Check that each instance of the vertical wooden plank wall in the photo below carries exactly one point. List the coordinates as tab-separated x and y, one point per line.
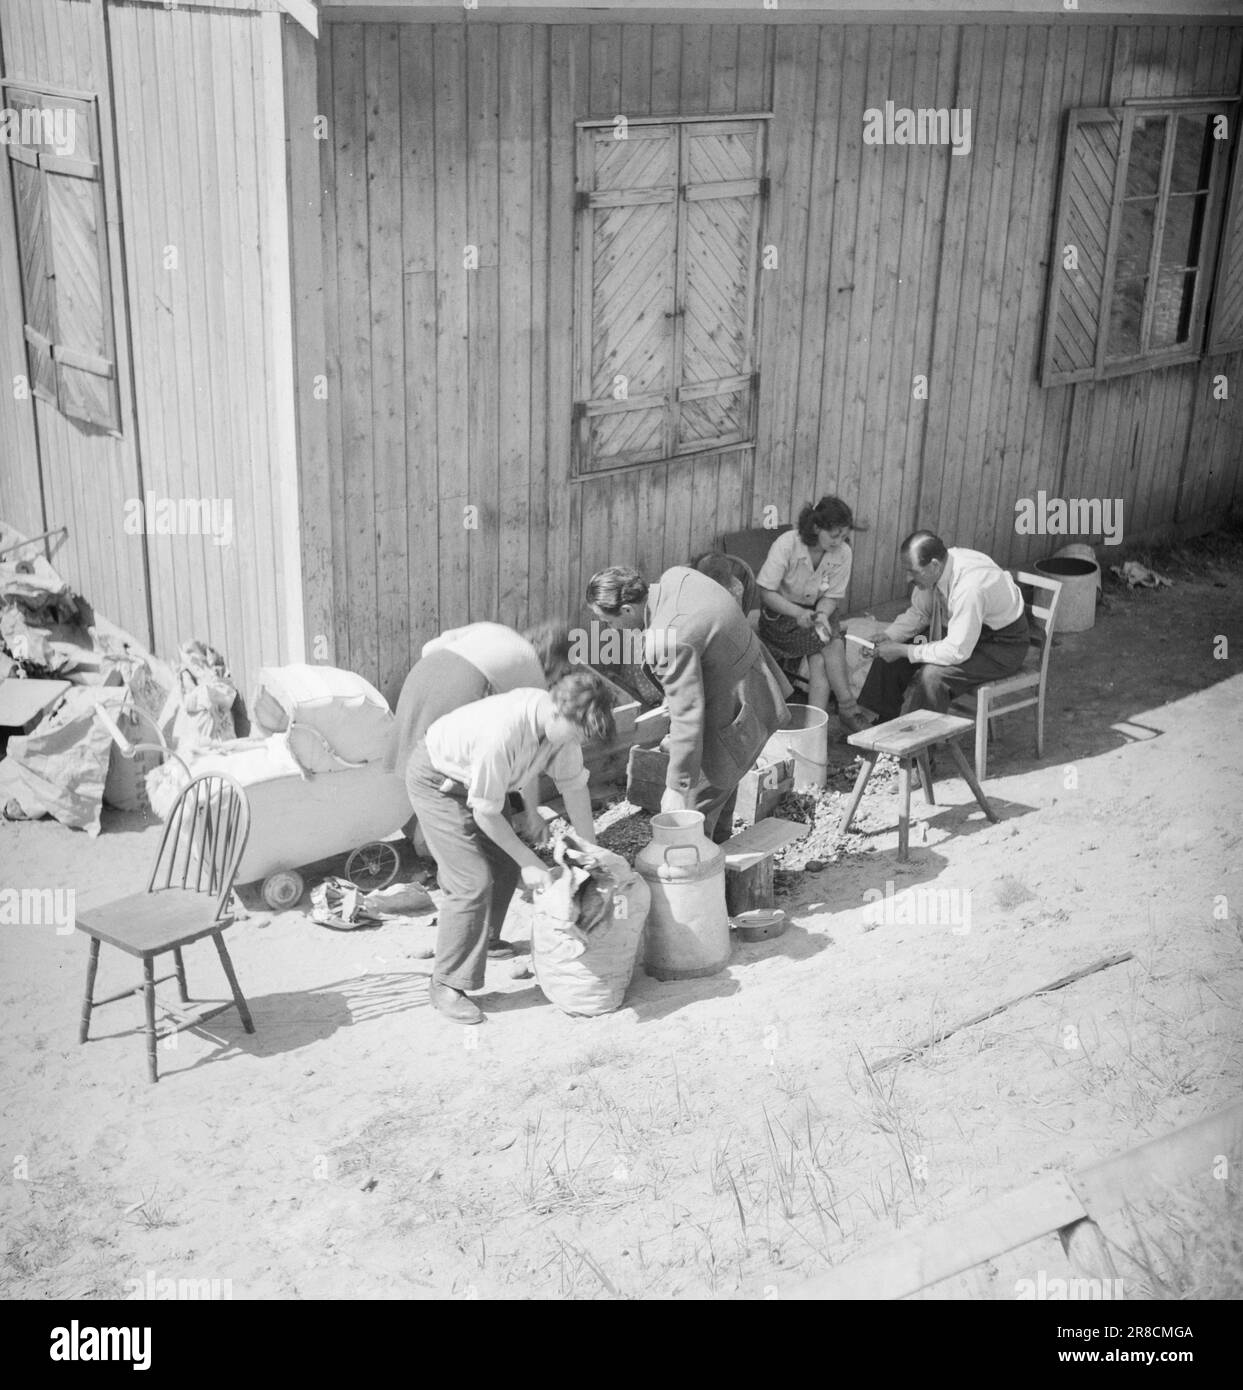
894	262
87	475
21	497
197	98
189	101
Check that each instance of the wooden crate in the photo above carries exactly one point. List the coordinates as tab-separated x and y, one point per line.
761	790
646	771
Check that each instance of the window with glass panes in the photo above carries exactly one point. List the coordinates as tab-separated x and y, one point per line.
1148	255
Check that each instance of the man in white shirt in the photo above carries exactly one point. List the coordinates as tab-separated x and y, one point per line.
459	778
975	623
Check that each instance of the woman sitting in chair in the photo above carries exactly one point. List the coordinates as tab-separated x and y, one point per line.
801	584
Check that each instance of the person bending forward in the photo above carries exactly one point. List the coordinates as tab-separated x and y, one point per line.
726	695
459	779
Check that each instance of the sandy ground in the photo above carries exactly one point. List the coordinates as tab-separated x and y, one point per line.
714	1137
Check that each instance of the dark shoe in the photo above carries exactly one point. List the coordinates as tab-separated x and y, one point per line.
499	950
453	1003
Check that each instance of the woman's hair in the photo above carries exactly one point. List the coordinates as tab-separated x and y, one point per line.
551	640
584	699
825	515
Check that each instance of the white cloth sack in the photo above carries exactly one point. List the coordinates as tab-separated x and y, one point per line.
581	972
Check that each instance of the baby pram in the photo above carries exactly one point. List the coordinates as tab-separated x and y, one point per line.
315	779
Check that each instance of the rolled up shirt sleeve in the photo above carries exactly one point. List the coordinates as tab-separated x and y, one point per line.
913	621
961	637
567	768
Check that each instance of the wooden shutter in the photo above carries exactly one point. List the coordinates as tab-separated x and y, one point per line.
721	165
628	199
34	258
64	255
1073	326
1226	325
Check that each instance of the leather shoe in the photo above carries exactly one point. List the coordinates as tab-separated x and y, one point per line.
453	1003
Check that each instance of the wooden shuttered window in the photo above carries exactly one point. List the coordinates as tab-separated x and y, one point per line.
668	242
1139	219
1225	332
53	148
1077	290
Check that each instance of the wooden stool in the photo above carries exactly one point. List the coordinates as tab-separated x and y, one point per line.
908	739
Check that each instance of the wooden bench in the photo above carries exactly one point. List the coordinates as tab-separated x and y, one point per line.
749	862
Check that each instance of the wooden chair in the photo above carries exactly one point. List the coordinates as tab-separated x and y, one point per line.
738	570
187	898
751	547
1026	687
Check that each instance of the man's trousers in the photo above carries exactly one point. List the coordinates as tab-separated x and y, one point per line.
476	876
898	687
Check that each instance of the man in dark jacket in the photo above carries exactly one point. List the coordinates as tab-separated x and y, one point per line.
725	694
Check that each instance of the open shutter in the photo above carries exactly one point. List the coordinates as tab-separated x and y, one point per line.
1073	326
64	255
721	167
84	353
628	199
38	291
1226	325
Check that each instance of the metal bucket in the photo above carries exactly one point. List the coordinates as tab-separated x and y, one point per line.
1076	607
805	738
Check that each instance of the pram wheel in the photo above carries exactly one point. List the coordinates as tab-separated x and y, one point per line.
282	889
373	865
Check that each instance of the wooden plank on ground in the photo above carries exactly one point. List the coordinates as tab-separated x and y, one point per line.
1154	1171
916	1048
925	1257
761	841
